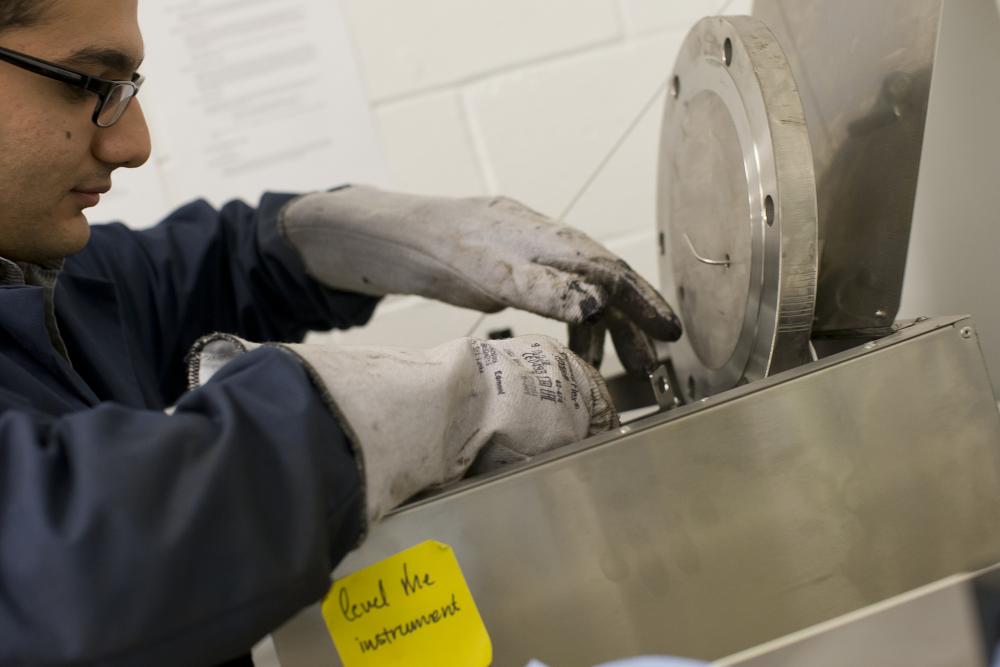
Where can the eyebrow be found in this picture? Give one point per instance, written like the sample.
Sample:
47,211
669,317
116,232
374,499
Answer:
110,59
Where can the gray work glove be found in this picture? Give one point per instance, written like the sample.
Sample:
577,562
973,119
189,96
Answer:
483,253
422,418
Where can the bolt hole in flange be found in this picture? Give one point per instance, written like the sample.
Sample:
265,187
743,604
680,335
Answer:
675,86
727,52
769,210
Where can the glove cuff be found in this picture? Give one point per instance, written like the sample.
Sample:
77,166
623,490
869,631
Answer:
210,353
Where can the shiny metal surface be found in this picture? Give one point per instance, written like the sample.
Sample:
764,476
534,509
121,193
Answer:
864,72
937,625
712,293
952,265
664,383
736,207
724,524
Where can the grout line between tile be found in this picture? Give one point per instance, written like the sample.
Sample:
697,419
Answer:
473,133
479,147
498,71
623,22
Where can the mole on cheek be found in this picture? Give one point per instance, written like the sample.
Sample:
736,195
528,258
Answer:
69,135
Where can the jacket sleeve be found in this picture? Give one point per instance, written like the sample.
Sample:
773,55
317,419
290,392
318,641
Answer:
131,537
200,271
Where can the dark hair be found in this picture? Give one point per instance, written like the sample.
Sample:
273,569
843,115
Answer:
21,13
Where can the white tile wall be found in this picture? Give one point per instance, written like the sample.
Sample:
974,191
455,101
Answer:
649,15
428,145
544,129
522,98
412,45
737,7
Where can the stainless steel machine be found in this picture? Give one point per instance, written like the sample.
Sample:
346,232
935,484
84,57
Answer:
826,457
953,621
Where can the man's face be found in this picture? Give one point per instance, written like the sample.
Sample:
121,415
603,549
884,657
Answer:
52,157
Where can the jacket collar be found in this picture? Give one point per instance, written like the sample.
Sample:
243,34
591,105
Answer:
44,275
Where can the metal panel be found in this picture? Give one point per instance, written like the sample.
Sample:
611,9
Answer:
938,625
952,265
864,72
725,524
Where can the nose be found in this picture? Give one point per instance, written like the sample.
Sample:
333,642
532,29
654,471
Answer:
126,143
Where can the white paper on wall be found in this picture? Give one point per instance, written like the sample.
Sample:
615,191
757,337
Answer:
246,97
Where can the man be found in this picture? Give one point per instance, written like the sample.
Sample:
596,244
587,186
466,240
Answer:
133,532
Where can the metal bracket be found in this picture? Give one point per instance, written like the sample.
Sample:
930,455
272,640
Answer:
663,384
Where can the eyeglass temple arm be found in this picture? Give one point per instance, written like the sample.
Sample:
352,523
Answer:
41,67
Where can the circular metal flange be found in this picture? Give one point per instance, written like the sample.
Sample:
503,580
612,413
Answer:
736,207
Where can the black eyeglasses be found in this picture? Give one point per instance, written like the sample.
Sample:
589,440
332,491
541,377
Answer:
113,97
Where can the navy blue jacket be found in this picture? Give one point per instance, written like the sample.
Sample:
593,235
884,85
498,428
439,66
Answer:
130,537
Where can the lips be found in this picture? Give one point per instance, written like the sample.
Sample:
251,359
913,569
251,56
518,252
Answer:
89,195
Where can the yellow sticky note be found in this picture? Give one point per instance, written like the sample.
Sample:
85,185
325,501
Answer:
411,609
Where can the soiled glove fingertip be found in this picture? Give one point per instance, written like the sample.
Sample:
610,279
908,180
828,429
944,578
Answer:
604,417
668,329
603,414
658,320
590,308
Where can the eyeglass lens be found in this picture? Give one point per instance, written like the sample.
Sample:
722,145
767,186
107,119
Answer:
115,104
